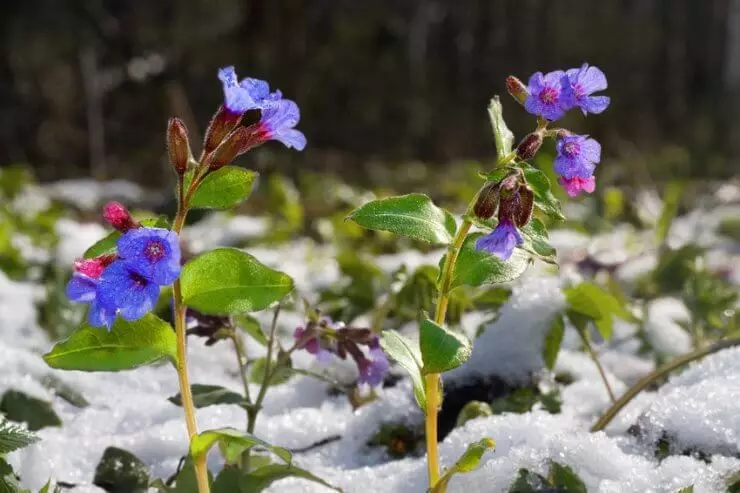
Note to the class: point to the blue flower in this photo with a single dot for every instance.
(373, 370)
(249, 94)
(127, 291)
(578, 85)
(277, 123)
(501, 241)
(153, 253)
(577, 156)
(545, 98)
(83, 289)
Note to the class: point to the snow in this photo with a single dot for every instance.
(699, 407)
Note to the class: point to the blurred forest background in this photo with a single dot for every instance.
(86, 86)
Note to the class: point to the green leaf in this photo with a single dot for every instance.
(14, 437)
(128, 345)
(412, 215)
(442, 349)
(592, 301)
(564, 477)
(222, 189)
(22, 408)
(258, 480)
(120, 471)
(232, 443)
(686, 489)
(227, 280)
(528, 482)
(8, 479)
(279, 375)
(108, 244)
(468, 461)
(209, 395)
(544, 198)
(475, 268)
(671, 200)
(503, 137)
(499, 173)
(553, 339)
(251, 326)
(536, 241)
(64, 391)
(406, 354)
(473, 410)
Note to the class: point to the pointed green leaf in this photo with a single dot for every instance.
(544, 198)
(227, 280)
(222, 189)
(553, 339)
(442, 349)
(108, 244)
(22, 408)
(406, 354)
(468, 461)
(592, 301)
(498, 174)
(412, 215)
(232, 443)
(128, 345)
(14, 437)
(278, 375)
(251, 326)
(564, 477)
(209, 395)
(503, 137)
(475, 268)
(536, 241)
(258, 480)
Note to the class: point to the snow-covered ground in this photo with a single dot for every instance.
(699, 408)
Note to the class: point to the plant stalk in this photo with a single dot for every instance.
(201, 470)
(432, 380)
(607, 417)
(595, 357)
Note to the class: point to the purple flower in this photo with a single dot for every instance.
(501, 241)
(573, 186)
(83, 289)
(249, 94)
(373, 370)
(545, 96)
(577, 156)
(153, 253)
(277, 123)
(312, 345)
(578, 85)
(124, 289)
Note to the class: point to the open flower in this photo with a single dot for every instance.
(153, 253)
(501, 241)
(249, 94)
(84, 289)
(573, 186)
(374, 368)
(312, 344)
(577, 156)
(277, 123)
(126, 291)
(545, 95)
(578, 85)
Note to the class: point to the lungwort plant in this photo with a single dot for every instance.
(140, 265)
(501, 233)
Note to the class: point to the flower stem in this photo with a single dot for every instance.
(595, 357)
(432, 380)
(255, 408)
(201, 470)
(607, 417)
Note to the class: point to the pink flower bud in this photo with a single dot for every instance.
(119, 217)
(516, 89)
(93, 267)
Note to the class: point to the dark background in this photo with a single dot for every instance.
(86, 86)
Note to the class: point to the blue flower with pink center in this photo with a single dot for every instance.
(545, 95)
(277, 123)
(247, 94)
(501, 241)
(579, 83)
(154, 253)
(577, 156)
(84, 289)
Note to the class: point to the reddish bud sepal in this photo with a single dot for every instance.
(485, 205)
(516, 89)
(526, 206)
(529, 146)
(235, 144)
(178, 146)
(222, 123)
(119, 217)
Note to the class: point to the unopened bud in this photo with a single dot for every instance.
(178, 147)
(529, 146)
(508, 208)
(119, 217)
(472, 410)
(487, 201)
(237, 143)
(526, 206)
(516, 89)
(222, 123)
(93, 267)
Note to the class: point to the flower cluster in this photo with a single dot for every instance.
(126, 282)
(550, 96)
(325, 339)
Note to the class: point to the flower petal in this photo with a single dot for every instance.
(81, 289)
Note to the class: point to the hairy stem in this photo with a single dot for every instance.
(431, 380)
(201, 470)
(645, 382)
(595, 357)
